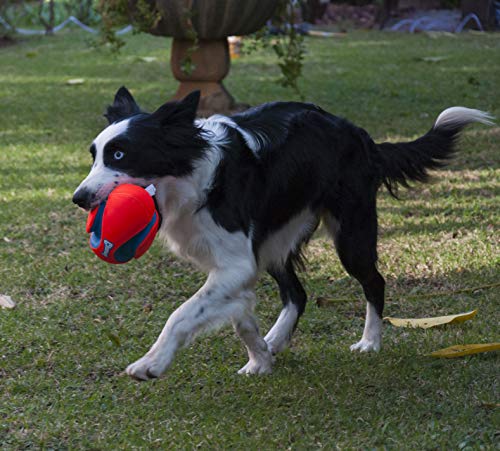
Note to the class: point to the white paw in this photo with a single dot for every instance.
(147, 367)
(258, 366)
(365, 345)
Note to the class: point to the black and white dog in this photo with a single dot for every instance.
(242, 194)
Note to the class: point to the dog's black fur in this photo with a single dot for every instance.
(276, 161)
(307, 158)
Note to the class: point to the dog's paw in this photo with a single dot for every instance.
(365, 345)
(145, 368)
(258, 366)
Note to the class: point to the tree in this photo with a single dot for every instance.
(47, 23)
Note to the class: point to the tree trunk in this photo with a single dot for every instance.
(49, 25)
(385, 12)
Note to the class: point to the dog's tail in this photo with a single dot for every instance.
(403, 162)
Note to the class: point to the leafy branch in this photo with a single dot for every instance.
(289, 48)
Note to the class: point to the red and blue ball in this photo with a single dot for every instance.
(124, 226)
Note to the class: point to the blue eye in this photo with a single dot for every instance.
(118, 155)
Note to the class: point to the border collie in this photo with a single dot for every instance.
(242, 194)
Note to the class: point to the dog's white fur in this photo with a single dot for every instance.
(227, 295)
(277, 247)
(101, 179)
(279, 335)
(228, 258)
(461, 115)
(371, 339)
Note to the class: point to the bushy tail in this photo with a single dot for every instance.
(402, 162)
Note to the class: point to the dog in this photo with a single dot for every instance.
(242, 194)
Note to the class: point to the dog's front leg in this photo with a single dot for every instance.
(226, 296)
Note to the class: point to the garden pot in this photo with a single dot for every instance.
(212, 21)
(211, 65)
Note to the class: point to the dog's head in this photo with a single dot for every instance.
(138, 147)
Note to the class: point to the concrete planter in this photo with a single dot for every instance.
(213, 21)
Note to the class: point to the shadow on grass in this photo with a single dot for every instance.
(346, 291)
(437, 219)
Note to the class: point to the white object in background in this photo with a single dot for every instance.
(6, 301)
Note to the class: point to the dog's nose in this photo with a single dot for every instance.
(82, 198)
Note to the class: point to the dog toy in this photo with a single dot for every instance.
(124, 226)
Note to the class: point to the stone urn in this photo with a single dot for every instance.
(212, 21)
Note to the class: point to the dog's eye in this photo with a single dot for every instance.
(118, 155)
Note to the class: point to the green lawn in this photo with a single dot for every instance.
(79, 321)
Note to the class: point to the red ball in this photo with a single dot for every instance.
(124, 226)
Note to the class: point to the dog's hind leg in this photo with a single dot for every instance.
(294, 300)
(355, 237)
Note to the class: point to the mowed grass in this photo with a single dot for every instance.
(79, 321)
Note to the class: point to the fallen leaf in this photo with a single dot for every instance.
(6, 301)
(425, 323)
(326, 34)
(438, 34)
(114, 338)
(490, 405)
(433, 59)
(148, 59)
(461, 350)
(75, 81)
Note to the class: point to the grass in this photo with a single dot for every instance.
(79, 322)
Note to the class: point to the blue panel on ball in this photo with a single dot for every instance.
(96, 230)
(127, 251)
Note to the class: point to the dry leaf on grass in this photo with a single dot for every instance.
(461, 350)
(326, 34)
(75, 81)
(490, 405)
(147, 59)
(433, 59)
(6, 301)
(425, 323)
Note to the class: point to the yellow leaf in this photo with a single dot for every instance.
(425, 323)
(461, 350)
(147, 59)
(75, 81)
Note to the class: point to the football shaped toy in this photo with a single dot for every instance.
(124, 226)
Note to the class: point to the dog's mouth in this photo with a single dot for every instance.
(88, 200)
(102, 194)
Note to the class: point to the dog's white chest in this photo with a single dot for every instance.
(184, 238)
(194, 236)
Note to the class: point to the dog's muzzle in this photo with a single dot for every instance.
(82, 198)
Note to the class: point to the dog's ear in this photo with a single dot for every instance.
(191, 101)
(123, 106)
(184, 110)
